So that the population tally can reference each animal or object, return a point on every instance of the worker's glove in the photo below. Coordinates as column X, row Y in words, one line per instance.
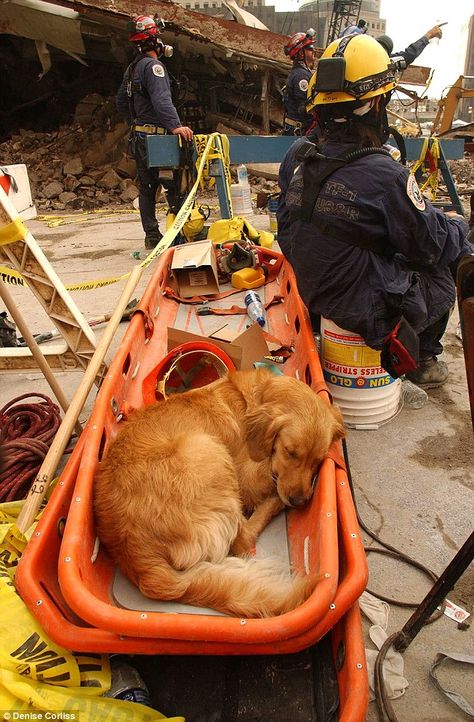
column 400, row 350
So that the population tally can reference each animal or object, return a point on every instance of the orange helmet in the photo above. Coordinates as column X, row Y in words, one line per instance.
column 188, row 366
column 298, row 42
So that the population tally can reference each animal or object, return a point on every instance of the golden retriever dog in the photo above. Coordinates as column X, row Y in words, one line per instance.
column 189, row 483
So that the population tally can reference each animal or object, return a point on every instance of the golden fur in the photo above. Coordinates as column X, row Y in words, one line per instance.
column 191, row 479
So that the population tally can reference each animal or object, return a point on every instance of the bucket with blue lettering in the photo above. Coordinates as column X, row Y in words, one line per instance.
column 366, row 394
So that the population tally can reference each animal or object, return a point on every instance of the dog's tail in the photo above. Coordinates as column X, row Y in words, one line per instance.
column 243, row 587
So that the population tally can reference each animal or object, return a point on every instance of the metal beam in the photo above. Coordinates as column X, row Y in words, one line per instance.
column 163, row 151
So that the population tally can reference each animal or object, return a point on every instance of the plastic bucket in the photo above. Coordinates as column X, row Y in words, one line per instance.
column 241, row 199
column 366, row 394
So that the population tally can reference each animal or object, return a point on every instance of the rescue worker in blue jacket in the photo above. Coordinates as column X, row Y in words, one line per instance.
column 410, row 54
column 144, row 101
column 300, row 48
column 359, row 29
column 367, row 248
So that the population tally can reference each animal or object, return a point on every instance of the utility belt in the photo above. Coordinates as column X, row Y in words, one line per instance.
column 149, row 129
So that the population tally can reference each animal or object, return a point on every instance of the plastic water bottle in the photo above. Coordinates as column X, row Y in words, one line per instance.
column 242, row 175
column 255, row 308
column 127, row 683
column 413, row 396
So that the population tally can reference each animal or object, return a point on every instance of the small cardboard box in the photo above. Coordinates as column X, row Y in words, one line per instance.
column 195, row 269
column 244, row 349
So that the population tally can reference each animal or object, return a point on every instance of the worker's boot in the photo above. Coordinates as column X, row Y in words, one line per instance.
column 152, row 238
column 430, row 373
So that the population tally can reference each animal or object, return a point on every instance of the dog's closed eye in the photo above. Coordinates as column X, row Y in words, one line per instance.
column 291, row 453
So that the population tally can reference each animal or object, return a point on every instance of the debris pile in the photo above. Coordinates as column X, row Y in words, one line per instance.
column 81, row 165
column 463, row 174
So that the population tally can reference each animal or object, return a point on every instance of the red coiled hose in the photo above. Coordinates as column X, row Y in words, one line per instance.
column 26, row 433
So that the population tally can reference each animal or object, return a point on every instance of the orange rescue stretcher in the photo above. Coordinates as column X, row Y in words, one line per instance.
column 74, row 590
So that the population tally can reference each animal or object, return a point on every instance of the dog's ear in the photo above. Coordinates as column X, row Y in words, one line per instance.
column 261, row 428
column 339, row 431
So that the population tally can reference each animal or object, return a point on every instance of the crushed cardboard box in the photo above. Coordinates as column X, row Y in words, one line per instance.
column 244, row 349
column 194, row 267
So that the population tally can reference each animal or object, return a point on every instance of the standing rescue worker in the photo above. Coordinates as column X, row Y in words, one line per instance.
column 300, row 48
column 368, row 250
column 144, row 101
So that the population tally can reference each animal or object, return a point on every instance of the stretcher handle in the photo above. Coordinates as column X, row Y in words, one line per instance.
column 50, row 463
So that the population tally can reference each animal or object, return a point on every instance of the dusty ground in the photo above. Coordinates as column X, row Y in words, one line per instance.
column 413, row 477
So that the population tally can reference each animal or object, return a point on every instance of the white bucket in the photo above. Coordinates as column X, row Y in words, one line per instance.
column 241, row 199
column 366, row 394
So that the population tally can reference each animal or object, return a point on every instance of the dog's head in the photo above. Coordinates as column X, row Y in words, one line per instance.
column 289, row 424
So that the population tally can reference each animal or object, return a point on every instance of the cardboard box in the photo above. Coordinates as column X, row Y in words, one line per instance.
column 195, row 269
column 244, row 349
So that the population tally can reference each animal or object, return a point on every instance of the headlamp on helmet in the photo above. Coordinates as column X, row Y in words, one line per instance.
column 397, row 64
column 354, row 68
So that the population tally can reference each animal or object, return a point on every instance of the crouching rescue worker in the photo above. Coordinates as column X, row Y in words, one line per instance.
column 369, row 251
column 144, row 101
column 300, row 48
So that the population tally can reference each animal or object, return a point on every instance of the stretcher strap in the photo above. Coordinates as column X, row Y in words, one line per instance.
column 336, row 456
column 169, row 293
column 235, row 310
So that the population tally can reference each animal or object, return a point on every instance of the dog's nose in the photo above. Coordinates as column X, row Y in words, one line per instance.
column 298, row 500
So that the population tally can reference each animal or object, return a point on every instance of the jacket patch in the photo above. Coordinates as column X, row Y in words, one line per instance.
column 159, row 71
column 303, row 85
column 414, row 193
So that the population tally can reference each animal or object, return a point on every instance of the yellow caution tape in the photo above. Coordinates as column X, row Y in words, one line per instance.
column 10, row 276
column 221, row 151
column 14, row 231
column 67, row 219
column 429, row 166
column 38, row 675
column 213, row 149
column 98, row 283
column 14, row 278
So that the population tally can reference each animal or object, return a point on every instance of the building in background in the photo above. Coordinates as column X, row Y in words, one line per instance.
column 311, row 14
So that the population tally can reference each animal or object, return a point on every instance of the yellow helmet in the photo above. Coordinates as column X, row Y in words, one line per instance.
column 355, row 67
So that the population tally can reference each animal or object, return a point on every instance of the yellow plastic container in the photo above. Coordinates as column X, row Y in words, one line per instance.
column 248, row 278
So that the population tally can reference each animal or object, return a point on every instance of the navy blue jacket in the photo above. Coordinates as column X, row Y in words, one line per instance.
column 359, row 289
column 151, row 95
column 413, row 50
column 287, row 168
column 295, row 93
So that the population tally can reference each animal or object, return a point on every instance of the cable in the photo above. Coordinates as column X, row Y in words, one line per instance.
column 389, row 549
column 26, row 433
column 384, row 706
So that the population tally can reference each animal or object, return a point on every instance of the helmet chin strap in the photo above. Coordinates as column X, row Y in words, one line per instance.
column 372, row 113
column 375, row 117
